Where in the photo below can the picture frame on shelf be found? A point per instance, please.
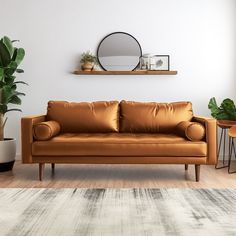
(160, 62)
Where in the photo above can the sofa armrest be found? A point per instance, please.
(211, 137)
(27, 124)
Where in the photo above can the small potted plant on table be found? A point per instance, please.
(88, 60)
(226, 112)
(10, 58)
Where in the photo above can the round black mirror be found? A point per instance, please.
(119, 51)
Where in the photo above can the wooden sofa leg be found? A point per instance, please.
(186, 166)
(53, 167)
(41, 170)
(197, 172)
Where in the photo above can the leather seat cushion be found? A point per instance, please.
(119, 144)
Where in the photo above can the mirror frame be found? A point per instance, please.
(119, 32)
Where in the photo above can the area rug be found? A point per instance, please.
(117, 212)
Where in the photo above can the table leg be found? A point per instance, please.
(232, 149)
(222, 135)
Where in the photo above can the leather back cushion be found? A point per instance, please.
(85, 117)
(151, 117)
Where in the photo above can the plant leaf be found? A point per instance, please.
(19, 71)
(1, 74)
(7, 42)
(229, 108)
(11, 68)
(226, 111)
(20, 82)
(19, 94)
(15, 100)
(212, 105)
(14, 109)
(1, 84)
(3, 108)
(9, 79)
(19, 55)
(5, 56)
(13, 87)
(7, 93)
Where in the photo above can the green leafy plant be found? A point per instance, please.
(226, 111)
(10, 59)
(88, 57)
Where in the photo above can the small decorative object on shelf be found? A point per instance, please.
(160, 62)
(88, 60)
(144, 62)
(155, 62)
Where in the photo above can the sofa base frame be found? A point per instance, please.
(42, 167)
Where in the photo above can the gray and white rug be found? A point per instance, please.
(117, 212)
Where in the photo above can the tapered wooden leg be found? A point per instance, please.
(53, 167)
(41, 170)
(197, 172)
(186, 166)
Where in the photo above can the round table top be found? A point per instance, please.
(226, 124)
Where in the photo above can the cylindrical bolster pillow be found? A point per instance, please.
(191, 130)
(46, 130)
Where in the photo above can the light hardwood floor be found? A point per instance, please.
(116, 176)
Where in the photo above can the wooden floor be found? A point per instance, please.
(116, 176)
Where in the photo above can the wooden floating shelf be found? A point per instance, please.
(135, 72)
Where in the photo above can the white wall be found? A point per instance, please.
(199, 35)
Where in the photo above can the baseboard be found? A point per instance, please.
(18, 156)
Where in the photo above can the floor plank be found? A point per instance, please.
(116, 176)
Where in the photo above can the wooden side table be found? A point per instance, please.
(224, 125)
(232, 135)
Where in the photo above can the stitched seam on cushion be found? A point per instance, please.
(195, 142)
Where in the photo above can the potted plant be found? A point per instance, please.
(225, 113)
(88, 60)
(10, 59)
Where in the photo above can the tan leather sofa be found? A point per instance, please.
(119, 133)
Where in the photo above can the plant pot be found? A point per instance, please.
(88, 66)
(7, 154)
(226, 123)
